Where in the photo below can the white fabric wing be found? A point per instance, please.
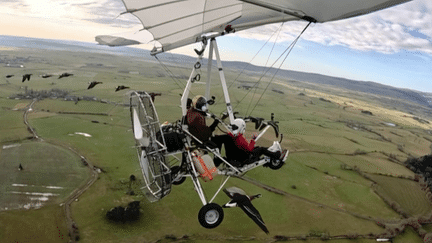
(175, 23)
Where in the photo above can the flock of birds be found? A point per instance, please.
(27, 76)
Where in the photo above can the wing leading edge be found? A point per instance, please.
(176, 23)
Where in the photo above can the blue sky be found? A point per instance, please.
(392, 46)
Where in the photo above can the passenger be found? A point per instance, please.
(196, 119)
(245, 151)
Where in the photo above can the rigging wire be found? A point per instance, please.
(249, 63)
(268, 58)
(170, 73)
(288, 50)
(177, 61)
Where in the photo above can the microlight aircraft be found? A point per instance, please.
(177, 23)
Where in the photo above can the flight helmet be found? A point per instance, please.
(239, 126)
(199, 102)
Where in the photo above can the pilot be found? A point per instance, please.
(245, 151)
(196, 119)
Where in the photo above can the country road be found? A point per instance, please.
(30, 128)
(72, 226)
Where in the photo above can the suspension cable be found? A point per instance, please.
(288, 50)
(170, 73)
(244, 68)
(268, 58)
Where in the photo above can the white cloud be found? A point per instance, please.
(386, 31)
(60, 19)
(97, 11)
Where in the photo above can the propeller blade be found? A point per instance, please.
(144, 141)
(138, 132)
(144, 165)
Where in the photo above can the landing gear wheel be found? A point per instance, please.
(177, 179)
(210, 215)
(275, 164)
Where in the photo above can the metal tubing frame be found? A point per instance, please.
(215, 153)
(213, 47)
(262, 133)
(192, 170)
(183, 100)
(194, 175)
(223, 184)
(223, 81)
(209, 67)
(195, 180)
(295, 13)
(161, 148)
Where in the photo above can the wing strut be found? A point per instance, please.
(183, 100)
(223, 82)
(209, 66)
(213, 47)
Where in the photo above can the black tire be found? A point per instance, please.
(175, 171)
(210, 215)
(275, 164)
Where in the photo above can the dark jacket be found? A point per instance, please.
(196, 122)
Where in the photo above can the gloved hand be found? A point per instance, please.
(254, 135)
(224, 116)
(214, 125)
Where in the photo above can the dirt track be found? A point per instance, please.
(72, 227)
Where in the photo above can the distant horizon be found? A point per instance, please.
(392, 46)
(113, 49)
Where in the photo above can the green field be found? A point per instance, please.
(50, 173)
(325, 141)
(11, 129)
(30, 198)
(406, 193)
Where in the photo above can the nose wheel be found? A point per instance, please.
(210, 215)
(275, 164)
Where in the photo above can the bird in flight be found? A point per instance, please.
(243, 201)
(26, 77)
(65, 75)
(92, 84)
(121, 87)
(46, 75)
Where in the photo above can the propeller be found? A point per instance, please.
(138, 131)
